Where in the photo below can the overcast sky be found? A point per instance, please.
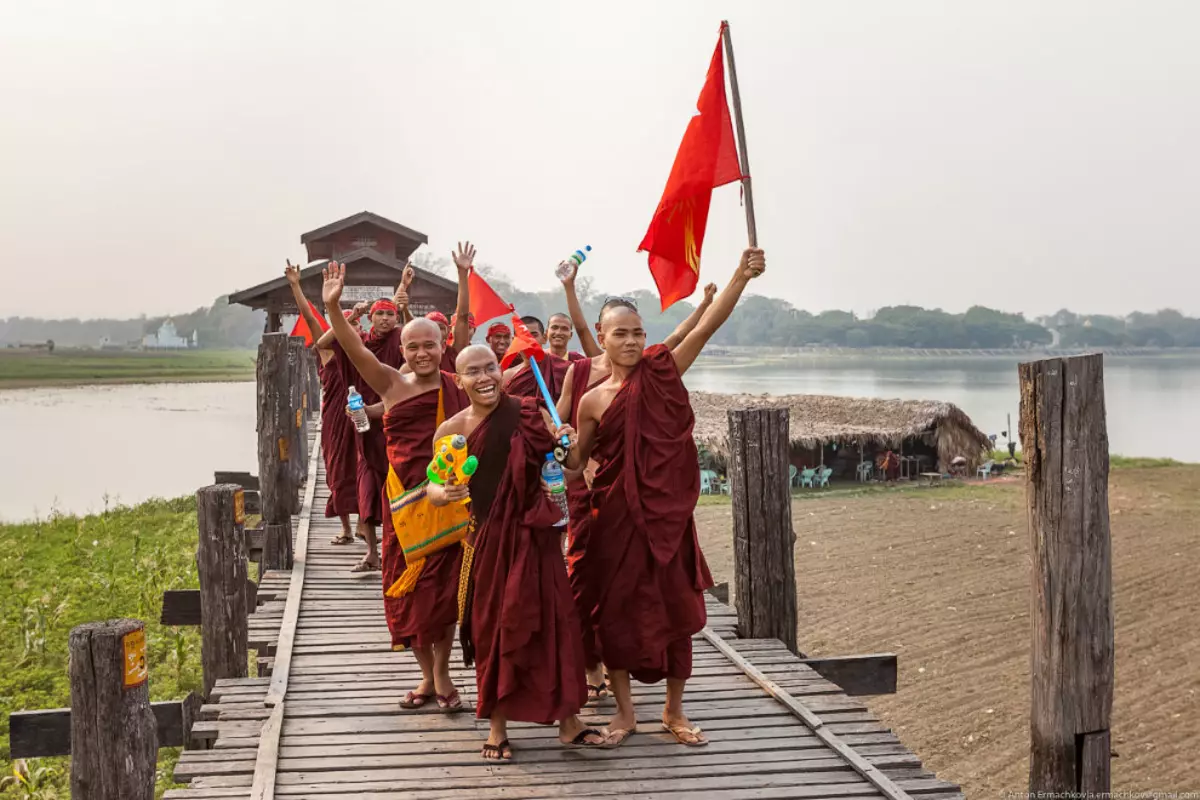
(1024, 155)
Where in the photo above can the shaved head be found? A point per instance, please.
(619, 314)
(419, 326)
(561, 316)
(421, 344)
(474, 354)
(622, 335)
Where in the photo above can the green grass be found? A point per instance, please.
(1128, 462)
(22, 368)
(60, 572)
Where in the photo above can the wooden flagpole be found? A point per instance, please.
(744, 159)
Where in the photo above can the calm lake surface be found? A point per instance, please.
(68, 449)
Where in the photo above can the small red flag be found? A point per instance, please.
(485, 303)
(301, 327)
(523, 343)
(707, 158)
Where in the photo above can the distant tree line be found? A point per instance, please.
(757, 321)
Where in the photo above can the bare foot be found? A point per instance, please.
(573, 733)
(684, 731)
(419, 696)
(496, 751)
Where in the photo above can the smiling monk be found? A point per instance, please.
(643, 565)
(519, 624)
(422, 615)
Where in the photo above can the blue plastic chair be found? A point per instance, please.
(823, 476)
(707, 479)
(985, 471)
(806, 477)
(793, 475)
(865, 470)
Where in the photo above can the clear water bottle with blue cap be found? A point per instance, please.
(358, 412)
(563, 271)
(556, 485)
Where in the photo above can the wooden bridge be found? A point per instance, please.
(324, 722)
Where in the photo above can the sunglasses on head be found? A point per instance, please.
(628, 302)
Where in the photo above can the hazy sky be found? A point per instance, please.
(1025, 155)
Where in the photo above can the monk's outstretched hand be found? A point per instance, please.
(465, 257)
(753, 264)
(292, 272)
(335, 281)
(443, 494)
(710, 291)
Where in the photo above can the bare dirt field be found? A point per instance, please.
(941, 577)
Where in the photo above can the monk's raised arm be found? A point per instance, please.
(563, 406)
(689, 324)
(463, 259)
(752, 264)
(325, 340)
(401, 296)
(587, 342)
(382, 378)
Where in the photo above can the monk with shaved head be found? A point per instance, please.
(518, 625)
(420, 615)
(643, 569)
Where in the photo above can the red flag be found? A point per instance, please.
(301, 327)
(707, 158)
(523, 343)
(485, 303)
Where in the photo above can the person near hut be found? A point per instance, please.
(518, 624)
(420, 598)
(338, 448)
(643, 559)
(582, 376)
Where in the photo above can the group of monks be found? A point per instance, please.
(542, 631)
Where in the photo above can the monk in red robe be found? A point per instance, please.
(499, 337)
(643, 561)
(414, 404)
(338, 447)
(582, 376)
(519, 625)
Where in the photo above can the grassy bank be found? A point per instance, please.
(61, 572)
(23, 369)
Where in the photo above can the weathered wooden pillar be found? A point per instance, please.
(1065, 442)
(763, 540)
(277, 546)
(114, 734)
(297, 388)
(223, 566)
(314, 381)
(275, 429)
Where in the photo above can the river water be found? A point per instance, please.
(74, 450)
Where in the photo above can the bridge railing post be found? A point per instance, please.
(1065, 440)
(297, 380)
(763, 540)
(114, 738)
(276, 424)
(224, 584)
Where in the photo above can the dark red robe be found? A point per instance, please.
(579, 502)
(554, 371)
(338, 447)
(372, 449)
(420, 617)
(643, 558)
(575, 355)
(522, 630)
(449, 356)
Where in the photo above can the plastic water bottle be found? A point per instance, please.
(556, 485)
(563, 271)
(357, 412)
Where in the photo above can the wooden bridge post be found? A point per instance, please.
(763, 540)
(223, 567)
(314, 382)
(114, 733)
(277, 548)
(1065, 442)
(297, 389)
(275, 426)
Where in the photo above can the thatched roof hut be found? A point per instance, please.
(816, 421)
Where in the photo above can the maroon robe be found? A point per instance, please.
(643, 558)
(421, 616)
(554, 371)
(372, 449)
(337, 439)
(449, 356)
(575, 355)
(579, 503)
(522, 629)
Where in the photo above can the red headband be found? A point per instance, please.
(498, 327)
(347, 312)
(438, 317)
(383, 305)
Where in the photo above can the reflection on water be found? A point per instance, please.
(1152, 403)
(76, 449)
(68, 449)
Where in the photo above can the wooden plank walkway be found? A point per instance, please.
(325, 724)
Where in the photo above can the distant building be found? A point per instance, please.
(166, 338)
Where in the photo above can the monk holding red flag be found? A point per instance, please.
(422, 613)
(582, 376)
(338, 448)
(518, 623)
(519, 380)
(643, 563)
